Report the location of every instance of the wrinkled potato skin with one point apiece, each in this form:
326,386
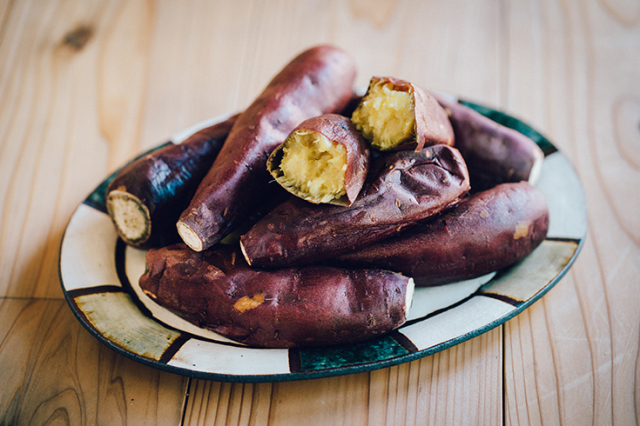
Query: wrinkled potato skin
340,130
432,124
494,153
318,81
309,306
405,188
166,195
478,236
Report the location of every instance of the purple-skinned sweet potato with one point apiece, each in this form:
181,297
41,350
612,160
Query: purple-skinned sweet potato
488,231
324,160
148,195
494,153
308,306
318,81
395,114
405,187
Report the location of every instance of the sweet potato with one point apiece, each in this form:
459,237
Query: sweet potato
394,114
406,187
308,306
324,160
148,195
318,81
494,153
486,232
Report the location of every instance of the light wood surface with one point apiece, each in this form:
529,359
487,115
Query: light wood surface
84,86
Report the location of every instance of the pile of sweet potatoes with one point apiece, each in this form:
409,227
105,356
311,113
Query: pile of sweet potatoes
380,193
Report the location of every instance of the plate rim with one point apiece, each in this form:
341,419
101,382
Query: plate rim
326,372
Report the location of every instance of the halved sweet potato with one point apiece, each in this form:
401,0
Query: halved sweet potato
147,196
308,306
494,153
395,114
324,160
405,188
316,82
486,232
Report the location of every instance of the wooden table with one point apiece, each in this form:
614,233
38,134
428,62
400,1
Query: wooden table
84,86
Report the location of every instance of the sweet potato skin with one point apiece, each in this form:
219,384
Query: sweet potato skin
338,129
318,81
486,232
494,153
166,179
406,187
309,306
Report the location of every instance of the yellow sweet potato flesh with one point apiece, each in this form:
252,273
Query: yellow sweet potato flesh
314,165
385,116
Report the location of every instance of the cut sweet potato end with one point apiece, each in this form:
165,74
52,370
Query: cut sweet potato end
385,116
189,236
244,253
536,169
411,286
130,216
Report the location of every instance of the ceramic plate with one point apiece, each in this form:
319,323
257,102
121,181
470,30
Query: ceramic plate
99,276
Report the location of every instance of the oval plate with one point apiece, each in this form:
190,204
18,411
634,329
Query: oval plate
99,276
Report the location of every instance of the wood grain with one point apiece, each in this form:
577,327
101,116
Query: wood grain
50,140
55,372
573,357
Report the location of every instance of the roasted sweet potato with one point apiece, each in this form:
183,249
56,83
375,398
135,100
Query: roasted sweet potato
406,187
395,114
308,306
324,160
486,232
494,153
147,196
318,81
